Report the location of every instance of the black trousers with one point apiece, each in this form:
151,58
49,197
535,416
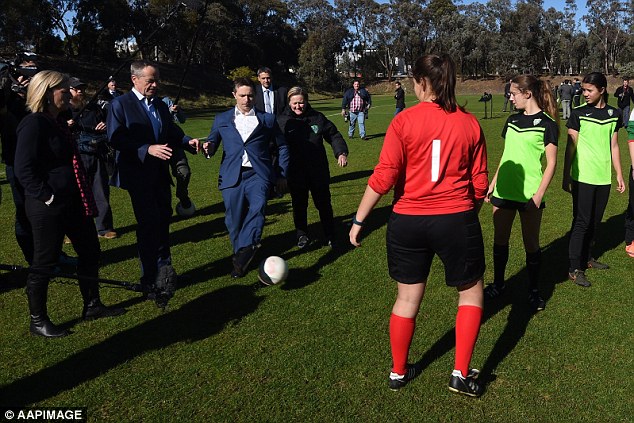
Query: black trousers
629,214
588,204
23,231
97,173
64,216
152,205
317,183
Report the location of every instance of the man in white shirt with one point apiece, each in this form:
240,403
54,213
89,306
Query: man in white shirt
247,171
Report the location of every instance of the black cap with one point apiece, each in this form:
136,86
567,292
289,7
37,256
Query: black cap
75,82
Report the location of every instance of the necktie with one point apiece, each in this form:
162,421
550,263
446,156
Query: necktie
154,118
267,101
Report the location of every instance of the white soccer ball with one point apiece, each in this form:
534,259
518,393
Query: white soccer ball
185,212
273,270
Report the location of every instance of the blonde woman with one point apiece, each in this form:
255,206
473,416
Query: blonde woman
58,200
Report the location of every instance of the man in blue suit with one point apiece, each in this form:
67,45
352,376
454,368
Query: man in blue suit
246,170
141,129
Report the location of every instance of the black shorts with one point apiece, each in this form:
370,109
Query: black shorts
513,205
412,242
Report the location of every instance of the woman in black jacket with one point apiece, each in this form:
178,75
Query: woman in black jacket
87,122
305,130
58,200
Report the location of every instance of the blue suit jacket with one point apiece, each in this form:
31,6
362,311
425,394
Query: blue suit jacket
257,146
130,133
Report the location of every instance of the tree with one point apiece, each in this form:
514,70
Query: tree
312,57
60,10
361,16
606,21
25,25
409,27
323,34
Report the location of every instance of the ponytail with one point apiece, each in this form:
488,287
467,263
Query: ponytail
440,72
541,91
546,100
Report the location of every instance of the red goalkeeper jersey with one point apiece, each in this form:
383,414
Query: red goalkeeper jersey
436,161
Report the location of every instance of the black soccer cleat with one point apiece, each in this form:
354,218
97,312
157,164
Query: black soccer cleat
536,302
579,277
466,385
493,290
396,381
595,264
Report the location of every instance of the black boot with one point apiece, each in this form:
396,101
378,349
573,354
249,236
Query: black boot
40,323
93,307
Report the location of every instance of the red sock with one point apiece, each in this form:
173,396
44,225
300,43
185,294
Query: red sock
467,328
401,334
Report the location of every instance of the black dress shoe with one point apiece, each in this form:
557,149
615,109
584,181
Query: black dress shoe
242,259
96,310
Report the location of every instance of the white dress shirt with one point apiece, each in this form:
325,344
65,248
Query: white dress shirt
245,124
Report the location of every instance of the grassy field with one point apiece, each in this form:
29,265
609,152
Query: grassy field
316,347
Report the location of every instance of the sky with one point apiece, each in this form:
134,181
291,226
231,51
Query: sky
557,4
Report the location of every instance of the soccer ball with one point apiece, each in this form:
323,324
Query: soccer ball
273,270
185,212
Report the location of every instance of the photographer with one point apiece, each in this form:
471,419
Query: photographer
87,123
14,93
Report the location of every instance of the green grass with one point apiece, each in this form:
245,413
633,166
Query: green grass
316,347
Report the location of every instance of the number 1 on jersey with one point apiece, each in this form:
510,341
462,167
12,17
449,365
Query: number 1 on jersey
435,160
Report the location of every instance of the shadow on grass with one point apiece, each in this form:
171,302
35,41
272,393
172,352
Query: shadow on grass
12,280
372,136
610,235
193,233
350,176
194,321
300,278
205,211
554,271
286,242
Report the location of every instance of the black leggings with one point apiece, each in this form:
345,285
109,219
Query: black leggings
588,204
629,214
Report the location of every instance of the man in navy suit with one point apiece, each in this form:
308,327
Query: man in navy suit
268,98
141,129
246,170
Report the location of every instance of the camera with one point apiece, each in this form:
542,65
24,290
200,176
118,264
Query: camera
485,97
16,71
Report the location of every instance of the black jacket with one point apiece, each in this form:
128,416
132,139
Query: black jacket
348,96
44,159
624,96
280,102
305,137
15,112
400,98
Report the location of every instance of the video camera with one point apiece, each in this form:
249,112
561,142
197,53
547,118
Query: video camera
12,72
485,97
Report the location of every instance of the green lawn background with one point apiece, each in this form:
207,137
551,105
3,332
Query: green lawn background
316,347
